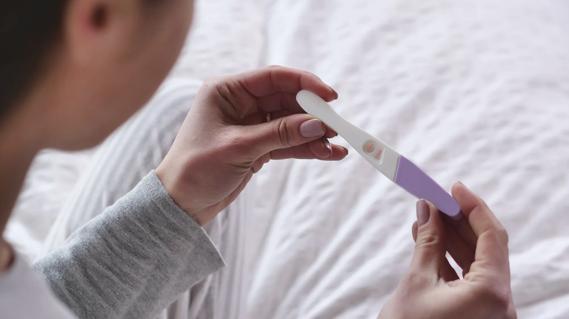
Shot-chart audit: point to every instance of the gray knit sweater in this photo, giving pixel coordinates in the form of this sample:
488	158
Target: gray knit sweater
133	260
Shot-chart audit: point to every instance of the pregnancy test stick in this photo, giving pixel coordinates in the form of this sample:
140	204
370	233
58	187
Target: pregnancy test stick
384	158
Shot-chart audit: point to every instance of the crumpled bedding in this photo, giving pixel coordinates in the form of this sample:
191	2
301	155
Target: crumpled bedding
473	90
476	91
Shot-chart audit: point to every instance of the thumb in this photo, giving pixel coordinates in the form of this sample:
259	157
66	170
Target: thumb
284	132
429	243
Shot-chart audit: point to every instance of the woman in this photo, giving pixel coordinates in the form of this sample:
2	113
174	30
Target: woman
83	67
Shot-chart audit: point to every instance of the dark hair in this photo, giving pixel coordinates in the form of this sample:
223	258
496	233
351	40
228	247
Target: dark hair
29	31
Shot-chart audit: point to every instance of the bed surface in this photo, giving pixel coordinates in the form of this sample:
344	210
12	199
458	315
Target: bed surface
476	91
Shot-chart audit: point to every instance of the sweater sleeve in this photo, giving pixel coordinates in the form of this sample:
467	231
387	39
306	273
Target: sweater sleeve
133	260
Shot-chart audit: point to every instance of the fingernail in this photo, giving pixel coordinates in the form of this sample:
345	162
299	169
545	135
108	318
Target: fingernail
312	128
346	152
422	212
334	91
328	146
461	184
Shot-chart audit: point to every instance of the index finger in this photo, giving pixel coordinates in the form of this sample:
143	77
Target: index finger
479	216
492	238
276	79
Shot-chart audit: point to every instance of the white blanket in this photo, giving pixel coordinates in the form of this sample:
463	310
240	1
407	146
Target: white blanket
476	90
471	90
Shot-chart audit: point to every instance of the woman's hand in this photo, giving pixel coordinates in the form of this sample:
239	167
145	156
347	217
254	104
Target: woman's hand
478	243
236	125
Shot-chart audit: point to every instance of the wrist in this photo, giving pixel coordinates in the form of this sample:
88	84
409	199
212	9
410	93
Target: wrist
169	181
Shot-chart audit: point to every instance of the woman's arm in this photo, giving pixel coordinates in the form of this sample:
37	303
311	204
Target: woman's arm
122	161
133	260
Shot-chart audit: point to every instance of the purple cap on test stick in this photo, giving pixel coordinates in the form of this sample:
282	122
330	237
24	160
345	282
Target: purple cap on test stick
416	182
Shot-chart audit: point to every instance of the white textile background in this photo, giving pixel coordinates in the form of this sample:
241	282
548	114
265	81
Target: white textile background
476	90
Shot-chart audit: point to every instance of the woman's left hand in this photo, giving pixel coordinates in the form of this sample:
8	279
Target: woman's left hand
478	243
236	125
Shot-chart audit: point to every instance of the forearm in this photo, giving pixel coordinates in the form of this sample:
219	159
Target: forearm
133	260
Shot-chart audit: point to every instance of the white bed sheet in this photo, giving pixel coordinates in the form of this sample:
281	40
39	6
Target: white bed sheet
471	90
476	90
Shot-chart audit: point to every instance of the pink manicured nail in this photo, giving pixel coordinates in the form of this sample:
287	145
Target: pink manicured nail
461	184
312	128
423	214
334	91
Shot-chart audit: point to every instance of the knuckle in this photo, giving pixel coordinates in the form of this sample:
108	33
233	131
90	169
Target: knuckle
282	132
211	81
428	239
481	205
503	236
312	75
412	282
497	298
499	235
207	87
257	166
228	101
221	87
264	159
214	83
480	201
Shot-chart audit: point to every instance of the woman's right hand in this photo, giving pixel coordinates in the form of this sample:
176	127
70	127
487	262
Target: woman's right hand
478	243
237	124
